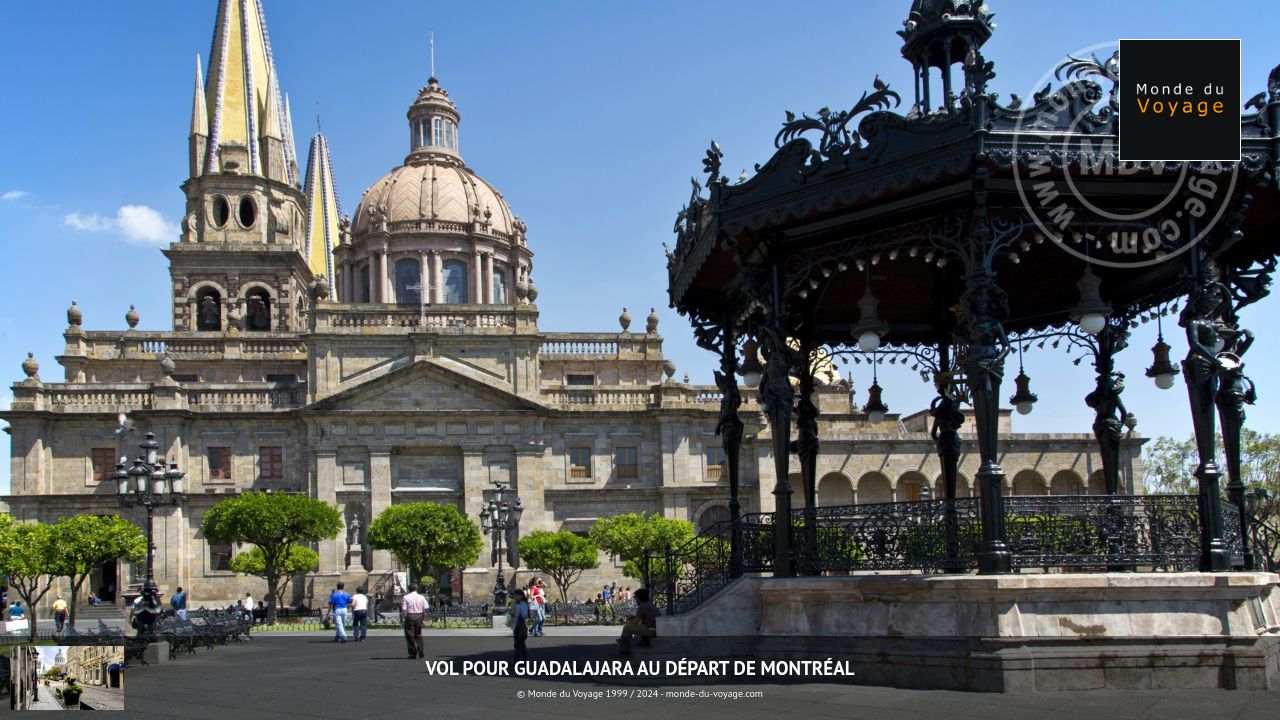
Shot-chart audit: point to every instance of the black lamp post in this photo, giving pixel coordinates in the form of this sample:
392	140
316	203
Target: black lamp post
499	518
148	484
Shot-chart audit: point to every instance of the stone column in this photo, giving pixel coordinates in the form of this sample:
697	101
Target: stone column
477	292
384	287
389	276
477	582
437	272
379	497
332	551
487	277
424	278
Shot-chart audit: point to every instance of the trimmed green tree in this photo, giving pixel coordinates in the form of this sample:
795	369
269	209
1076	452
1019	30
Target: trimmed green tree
562	555
631	536
275	523
426	537
84	542
28	557
298	560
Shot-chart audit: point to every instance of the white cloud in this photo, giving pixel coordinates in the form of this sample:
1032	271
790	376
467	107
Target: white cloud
145	225
91	223
138	224
13	195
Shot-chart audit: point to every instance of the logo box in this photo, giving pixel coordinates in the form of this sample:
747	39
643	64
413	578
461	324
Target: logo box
1180	100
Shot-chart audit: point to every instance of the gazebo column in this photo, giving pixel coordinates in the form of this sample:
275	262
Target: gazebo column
777	396
947	420
984	304
1200	370
1234	391
729	428
1109	412
806	449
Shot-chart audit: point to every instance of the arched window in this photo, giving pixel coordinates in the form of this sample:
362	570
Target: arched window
362	281
257	314
454	278
208	310
408	282
711	517
499	285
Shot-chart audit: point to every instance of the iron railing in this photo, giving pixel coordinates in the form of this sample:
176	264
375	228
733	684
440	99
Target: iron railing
1264	543
1075	533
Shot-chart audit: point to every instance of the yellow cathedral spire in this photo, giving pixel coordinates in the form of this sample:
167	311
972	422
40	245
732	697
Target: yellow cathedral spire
322	211
242	98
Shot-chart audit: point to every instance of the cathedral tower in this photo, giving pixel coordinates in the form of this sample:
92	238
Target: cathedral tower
241	262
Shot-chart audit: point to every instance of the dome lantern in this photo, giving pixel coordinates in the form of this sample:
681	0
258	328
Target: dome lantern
433	122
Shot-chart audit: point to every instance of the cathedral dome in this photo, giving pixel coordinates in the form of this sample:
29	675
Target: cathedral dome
432	193
431	231
434	190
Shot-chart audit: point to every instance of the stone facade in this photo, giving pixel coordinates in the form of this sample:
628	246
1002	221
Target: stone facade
89	664
409	366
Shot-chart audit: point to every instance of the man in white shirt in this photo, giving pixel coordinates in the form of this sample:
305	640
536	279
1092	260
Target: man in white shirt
359	615
413	609
246	606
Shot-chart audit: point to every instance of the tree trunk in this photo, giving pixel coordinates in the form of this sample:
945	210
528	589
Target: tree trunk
75	592
272	578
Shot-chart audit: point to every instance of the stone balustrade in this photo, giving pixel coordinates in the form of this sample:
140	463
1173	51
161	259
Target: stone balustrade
374	317
125	398
702	397
581	348
105	345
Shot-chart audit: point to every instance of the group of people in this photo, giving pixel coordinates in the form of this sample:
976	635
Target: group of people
611	593
528	612
343	605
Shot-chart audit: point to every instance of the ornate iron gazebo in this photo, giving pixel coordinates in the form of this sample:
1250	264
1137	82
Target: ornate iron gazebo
956	234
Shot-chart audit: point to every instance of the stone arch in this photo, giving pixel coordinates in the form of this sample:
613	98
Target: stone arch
711	515
259	304
1029	482
964	488
910	484
208	307
874	487
1097	483
1067	482
835	489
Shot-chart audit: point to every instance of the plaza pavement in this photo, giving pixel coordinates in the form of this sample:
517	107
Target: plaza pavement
309	676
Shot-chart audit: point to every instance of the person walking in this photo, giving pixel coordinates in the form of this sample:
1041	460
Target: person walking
339	601
246	607
413	608
537	605
376	606
518	616
360	615
179	603
59	613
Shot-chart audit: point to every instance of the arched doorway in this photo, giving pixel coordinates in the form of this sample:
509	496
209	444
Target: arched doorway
874	487
1029	482
835	489
909	486
711	517
1066	482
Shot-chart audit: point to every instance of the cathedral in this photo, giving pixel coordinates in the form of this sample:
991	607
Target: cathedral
395	356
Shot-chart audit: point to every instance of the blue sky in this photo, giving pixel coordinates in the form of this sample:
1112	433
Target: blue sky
588	117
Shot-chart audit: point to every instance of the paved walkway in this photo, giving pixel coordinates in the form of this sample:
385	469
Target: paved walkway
311	677
99	698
